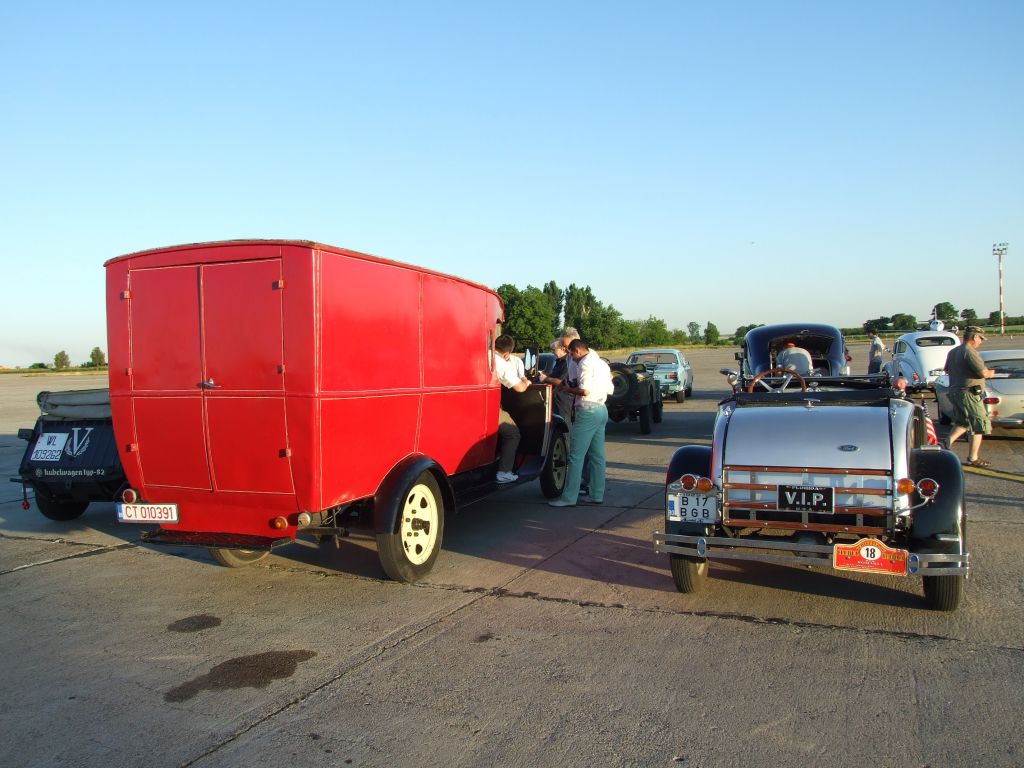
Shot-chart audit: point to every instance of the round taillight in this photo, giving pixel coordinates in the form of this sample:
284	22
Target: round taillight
905	485
129	496
689	482
704	485
279	523
900	383
927	487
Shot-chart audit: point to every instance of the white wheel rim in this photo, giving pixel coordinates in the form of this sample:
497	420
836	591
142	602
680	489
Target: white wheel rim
559	463
419	524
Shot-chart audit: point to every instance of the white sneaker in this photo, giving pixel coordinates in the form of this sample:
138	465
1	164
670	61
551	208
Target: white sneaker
507	477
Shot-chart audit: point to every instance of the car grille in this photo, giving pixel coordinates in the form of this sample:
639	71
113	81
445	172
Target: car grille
862	499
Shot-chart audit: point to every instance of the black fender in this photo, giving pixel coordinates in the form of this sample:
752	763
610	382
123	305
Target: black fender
943	513
388	498
688	460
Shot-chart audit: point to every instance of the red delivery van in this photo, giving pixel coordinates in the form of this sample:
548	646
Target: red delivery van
262	389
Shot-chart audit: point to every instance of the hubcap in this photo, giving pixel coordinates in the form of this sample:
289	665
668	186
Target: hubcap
419	524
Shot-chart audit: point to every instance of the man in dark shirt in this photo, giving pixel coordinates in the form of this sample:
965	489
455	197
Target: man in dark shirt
967	374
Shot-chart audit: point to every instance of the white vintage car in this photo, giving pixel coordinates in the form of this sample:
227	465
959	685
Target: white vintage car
920	357
1004	395
826	470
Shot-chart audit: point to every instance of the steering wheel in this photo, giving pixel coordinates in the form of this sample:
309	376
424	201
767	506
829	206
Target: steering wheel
785	372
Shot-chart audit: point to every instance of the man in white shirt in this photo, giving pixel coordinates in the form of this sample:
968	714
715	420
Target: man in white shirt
794	358
587	440
512	376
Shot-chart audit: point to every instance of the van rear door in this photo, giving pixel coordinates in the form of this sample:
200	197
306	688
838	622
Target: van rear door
208	368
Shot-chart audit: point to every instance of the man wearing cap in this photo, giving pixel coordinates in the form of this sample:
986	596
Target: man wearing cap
967	374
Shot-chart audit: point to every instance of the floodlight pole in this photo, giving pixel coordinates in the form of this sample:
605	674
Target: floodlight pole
998	249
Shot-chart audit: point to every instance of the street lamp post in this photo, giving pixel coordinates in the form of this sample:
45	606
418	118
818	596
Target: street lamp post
998	249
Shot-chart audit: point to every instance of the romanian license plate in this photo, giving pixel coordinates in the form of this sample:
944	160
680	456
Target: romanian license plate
806	498
147	513
870	556
691	508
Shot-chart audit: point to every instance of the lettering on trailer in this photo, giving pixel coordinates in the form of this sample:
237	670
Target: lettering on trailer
78	444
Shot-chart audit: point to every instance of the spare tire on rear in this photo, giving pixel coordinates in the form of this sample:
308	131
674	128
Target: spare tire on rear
623	384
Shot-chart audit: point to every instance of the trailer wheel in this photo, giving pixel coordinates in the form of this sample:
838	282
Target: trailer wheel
656	413
645	419
556	468
59	510
408	553
237	558
689	573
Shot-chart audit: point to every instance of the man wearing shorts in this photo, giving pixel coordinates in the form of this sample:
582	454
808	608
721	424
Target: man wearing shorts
967	374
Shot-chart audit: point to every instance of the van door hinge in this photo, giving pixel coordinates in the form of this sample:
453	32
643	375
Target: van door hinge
285	453
126	294
132	447
280	368
279	284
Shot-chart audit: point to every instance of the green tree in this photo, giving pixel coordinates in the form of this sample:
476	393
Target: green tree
529	316
97	358
993	318
741	330
61	360
630	333
945	311
38	366
556	298
711	335
654	332
969	316
694	330
903	322
579	303
679	336
879	324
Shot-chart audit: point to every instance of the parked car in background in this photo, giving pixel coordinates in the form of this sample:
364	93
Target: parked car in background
920	356
760	348
1004	395
831	471
671	371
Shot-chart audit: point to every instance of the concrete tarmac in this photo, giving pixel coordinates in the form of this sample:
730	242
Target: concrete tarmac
543	637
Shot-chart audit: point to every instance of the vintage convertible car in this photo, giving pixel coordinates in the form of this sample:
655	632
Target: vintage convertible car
920	357
833	471
1004	395
761	346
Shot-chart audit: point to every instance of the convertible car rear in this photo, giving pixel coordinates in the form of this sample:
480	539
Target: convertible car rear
831	471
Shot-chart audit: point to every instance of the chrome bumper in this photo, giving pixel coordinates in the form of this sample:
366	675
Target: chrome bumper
793	553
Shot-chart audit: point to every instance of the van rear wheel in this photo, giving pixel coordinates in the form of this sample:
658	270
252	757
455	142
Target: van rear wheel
237	558
408	553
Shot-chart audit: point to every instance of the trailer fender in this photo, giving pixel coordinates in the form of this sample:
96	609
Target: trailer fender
386	501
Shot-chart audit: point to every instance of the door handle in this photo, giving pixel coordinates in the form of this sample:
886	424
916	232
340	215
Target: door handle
208	384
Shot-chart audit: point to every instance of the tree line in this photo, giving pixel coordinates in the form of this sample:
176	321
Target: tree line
534	316
62	361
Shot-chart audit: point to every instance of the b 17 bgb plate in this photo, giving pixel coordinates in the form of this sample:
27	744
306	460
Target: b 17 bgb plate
691	508
147	513
806	498
870	556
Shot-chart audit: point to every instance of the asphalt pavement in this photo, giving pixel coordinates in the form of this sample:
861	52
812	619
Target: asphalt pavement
543	637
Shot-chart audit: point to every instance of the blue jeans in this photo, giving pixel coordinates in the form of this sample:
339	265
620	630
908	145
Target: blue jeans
586	442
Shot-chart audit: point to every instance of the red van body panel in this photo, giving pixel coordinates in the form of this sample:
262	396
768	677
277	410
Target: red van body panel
257	379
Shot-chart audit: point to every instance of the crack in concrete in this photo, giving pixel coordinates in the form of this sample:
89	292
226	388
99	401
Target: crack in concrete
96	550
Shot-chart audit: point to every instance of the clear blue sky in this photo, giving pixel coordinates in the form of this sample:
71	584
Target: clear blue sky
732	162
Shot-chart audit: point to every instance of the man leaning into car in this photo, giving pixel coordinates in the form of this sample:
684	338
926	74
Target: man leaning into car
967	374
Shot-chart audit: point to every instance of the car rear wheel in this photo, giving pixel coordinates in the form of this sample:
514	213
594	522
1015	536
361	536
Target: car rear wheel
681	396
59	510
237	558
689	573
408	553
943	593
689	391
